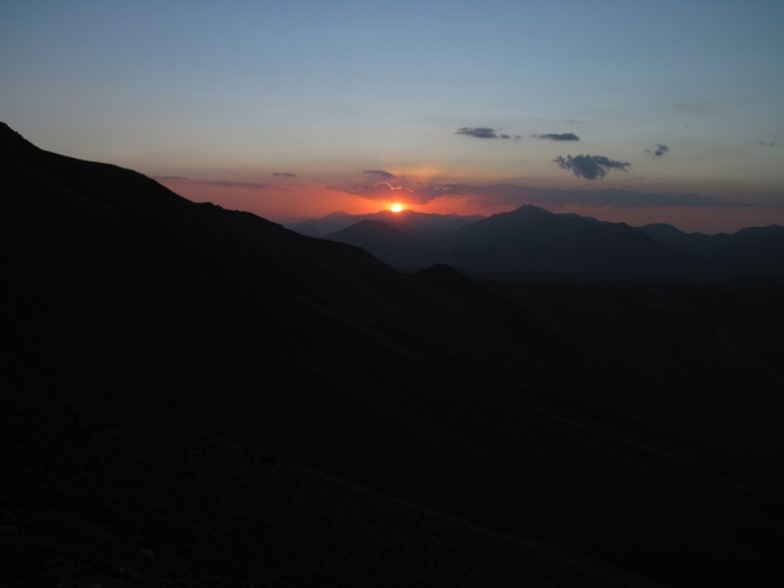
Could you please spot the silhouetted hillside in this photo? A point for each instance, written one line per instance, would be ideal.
(604, 418)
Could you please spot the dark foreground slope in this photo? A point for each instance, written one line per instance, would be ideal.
(92, 498)
(427, 387)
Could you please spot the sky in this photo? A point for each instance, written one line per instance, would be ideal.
(626, 111)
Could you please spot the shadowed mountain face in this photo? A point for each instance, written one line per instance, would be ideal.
(421, 226)
(386, 240)
(532, 239)
(754, 251)
(636, 423)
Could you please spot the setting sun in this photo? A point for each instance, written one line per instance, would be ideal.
(396, 207)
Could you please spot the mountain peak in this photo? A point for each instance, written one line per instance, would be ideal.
(530, 210)
(10, 139)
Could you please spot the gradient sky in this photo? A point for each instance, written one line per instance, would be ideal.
(670, 111)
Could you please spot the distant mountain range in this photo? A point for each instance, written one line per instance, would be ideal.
(418, 225)
(196, 396)
(531, 239)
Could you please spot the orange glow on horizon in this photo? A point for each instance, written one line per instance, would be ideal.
(300, 201)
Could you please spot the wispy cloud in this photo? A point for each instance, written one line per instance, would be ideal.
(284, 175)
(614, 198)
(380, 173)
(170, 178)
(590, 167)
(659, 151)
(217, 183)
(478, 132)
(493, 195)
(377, 191)
(229, 184)
(484, 133)
(558, 136)
(512, 194)
(773, 144)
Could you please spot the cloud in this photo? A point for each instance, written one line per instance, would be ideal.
(229, 184)
(659, 151)
(284, 175)
(218, 183)
(558, 136)
(478, 132)
(377, 191)
(380, 173)
(773, 144)
(493, 195)
(170, 178)
(485, 133)
(514, 195)
(614, 198)
(590, 167)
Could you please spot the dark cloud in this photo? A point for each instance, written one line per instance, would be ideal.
(770, 143)
(659, 151)
(284, 175)
(558, 136)
(478, 132)
(380, 173)
(590, 167)
(485, 133)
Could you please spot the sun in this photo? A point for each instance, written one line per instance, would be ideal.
(396, 207)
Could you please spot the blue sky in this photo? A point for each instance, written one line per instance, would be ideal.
(282, 107)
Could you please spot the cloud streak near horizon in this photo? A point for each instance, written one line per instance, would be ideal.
(216, 183)
(380, 173)
(492, 195)
(485, 133)
(590, 167)
(558, 136)
(659, 151)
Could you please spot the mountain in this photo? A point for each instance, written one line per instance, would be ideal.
(531, 239)
(421, 226)
(388, 241)
(753, 251)
(201, 396)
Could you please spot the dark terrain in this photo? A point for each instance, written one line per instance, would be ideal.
(531, 239)
(195, 396)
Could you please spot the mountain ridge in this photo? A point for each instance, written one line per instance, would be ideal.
(533, 239)
(419, 224)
